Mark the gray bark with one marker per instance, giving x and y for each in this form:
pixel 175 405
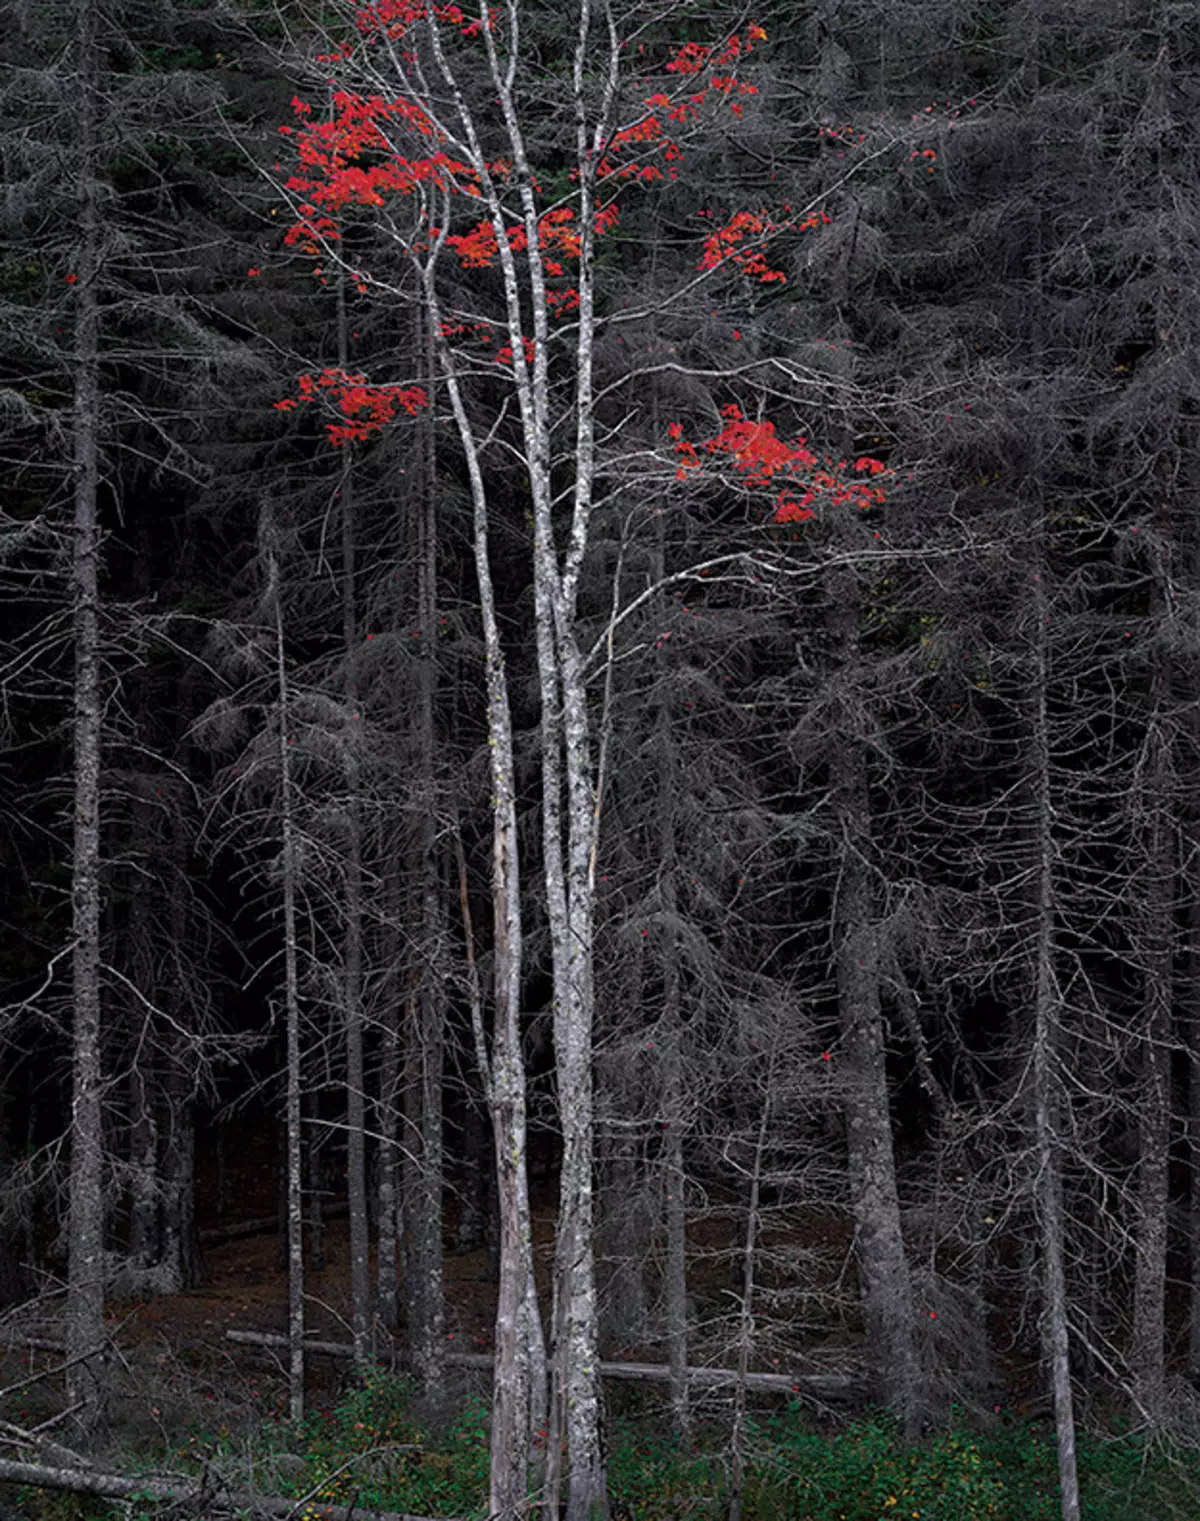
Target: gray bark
pixel 674 1174
pixel 885 1282
pixel 294 1149
pixel 737 1461
pixel 352 950
pixel 833 1386
pixel 429 1334
pixel 1046 1080
pixel 519 1373
pixel 85 1270
pixel 1147 1351
pixel 388 1115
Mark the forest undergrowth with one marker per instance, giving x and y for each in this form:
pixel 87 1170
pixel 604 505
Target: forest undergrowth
pixel 374 1450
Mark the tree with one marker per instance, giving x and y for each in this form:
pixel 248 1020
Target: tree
pixel 85 1271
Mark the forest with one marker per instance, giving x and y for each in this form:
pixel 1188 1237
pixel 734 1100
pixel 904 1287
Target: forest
pixel 600 760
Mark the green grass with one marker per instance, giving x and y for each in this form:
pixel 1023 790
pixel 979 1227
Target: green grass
pixel 372 1451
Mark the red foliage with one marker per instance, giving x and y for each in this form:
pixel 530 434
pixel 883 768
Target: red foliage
pixel 367 408
pixel 726 243
pixel 764 459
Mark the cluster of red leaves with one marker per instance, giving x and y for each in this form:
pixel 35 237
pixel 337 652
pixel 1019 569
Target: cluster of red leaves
pixel 504 355
pixel 764 459
pixel 694 56
pixel 558 232
pixel 726 243
pixel 648 131
pixel 367 408
pixel 392 19
pixel 332 172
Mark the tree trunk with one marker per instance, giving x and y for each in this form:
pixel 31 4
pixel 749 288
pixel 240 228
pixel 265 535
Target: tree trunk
pixel 674 1176
pixel 388 1108
pixel 1147 1352
pixel 85 1270
pixel 885 1283
pixel 737 1458
pixel 519 1374
pixel 1046 1082
pixel 429 1335
pixel 352 947
pixel 295 1150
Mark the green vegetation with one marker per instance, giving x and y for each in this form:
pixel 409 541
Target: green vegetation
pixel 372 1450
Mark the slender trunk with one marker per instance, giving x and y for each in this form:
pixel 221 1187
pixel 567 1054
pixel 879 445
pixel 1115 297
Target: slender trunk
pixel 737 1459
pixel 570 893
pixel 1046 1082
pixel 295 1164
pixel 519 1373
pixel 85 1271
pixel 429 1340
pixel 181 1238
pixel 352 949
pixel 145 1244
pixel 884 1276
pixel 1147 1353
pixel 314 1167
pixel 1193 1088
pixel 181 1244
pixel 472 1232
pixel 388 1114
pixel 674 1176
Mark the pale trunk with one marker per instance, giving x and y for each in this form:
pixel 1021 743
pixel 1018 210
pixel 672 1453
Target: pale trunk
pixel 568 852
pixel 746 1314
pixel 674 1176
pixel 85 1270
pixel 295 1163
pixel 387 1112
pixel 519 1369
pixel 429 1342
pixel 352 949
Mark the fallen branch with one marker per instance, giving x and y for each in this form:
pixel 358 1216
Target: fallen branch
pixel 821 1385
pixel 217 1234
pixel 210 1498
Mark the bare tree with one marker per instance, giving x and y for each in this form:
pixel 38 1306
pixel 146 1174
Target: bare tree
pixel 85 1273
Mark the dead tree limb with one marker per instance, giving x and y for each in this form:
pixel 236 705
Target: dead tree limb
pixel 820 1385
pixel 211 1498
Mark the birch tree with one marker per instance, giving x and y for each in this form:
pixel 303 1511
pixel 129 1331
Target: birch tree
pixel 471 89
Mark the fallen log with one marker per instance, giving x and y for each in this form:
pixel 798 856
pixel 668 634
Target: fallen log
pixel 820 1385
pixel 216 1235
pixel 209 1497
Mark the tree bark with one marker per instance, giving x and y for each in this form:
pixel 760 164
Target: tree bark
pixel 833 1386
pixel 1147 1350
pixel 885 1284
pixel 430 1334
pixel 294 1148
pixel 519 1377
pixel 737 1458
pixel 1046 1081
pixel 388 1110
pixel 85 1270
pixel 352 948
